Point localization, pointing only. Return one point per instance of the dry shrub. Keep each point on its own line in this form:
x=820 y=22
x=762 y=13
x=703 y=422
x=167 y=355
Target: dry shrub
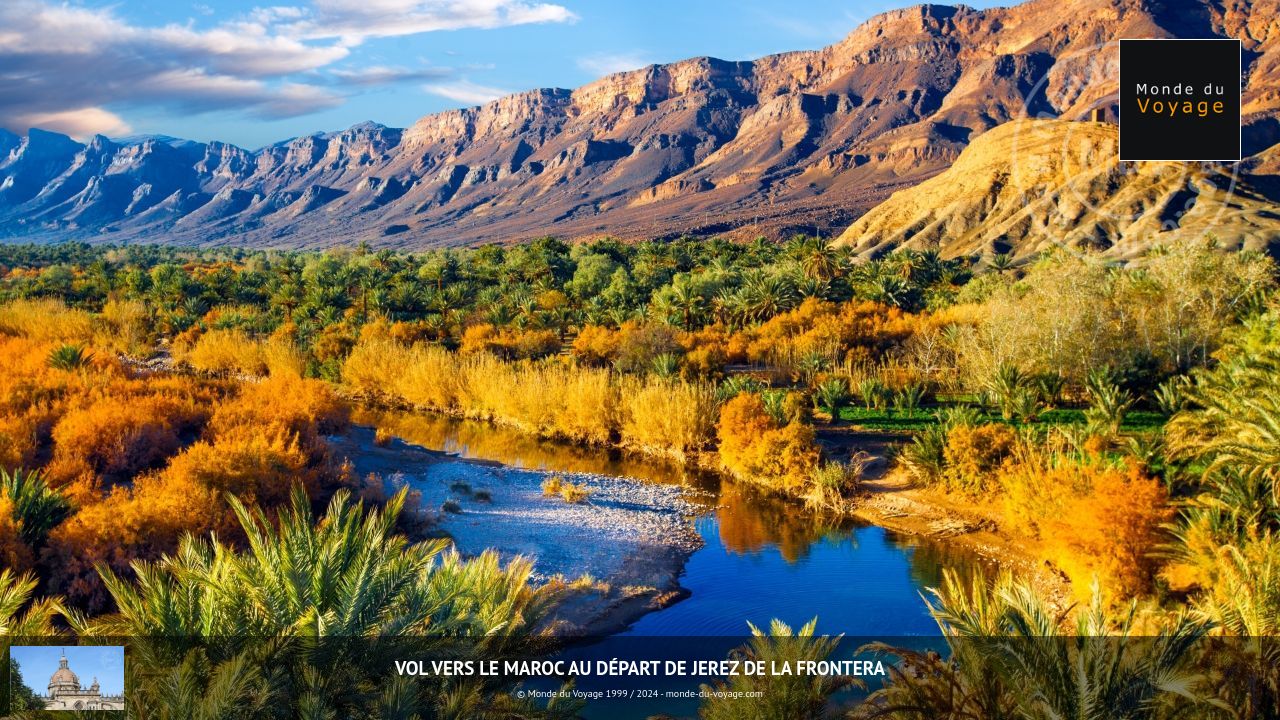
x=20 y=437
x=706 y=351
x=423 y=376
x=1111 y=532
x=846 y=332
x=1036 y=493
x=1094 y=518
x=552 y=486
x=575 y=494
x=14 y=553
x=129 y=524
x=753 y=447
x=284 y=406
x=974 y=452
x=509 y=343
x=667 y=418
x=224 y=351
x=548 y=399
x=124 y=326
x=595 y=346
x=115 y=438
x=584 y=402
x=45 y=320
x=255 y=466
x=258 y=444
x=282 y=357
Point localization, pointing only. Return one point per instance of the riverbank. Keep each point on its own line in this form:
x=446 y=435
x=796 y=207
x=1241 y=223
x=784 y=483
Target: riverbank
x=886 y=497
x=619 y=553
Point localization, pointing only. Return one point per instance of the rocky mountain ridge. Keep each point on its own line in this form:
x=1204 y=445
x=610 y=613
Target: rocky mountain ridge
x=801 y=141
x=1032 y=185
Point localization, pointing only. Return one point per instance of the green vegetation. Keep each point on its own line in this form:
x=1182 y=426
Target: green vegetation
x=1118 y=423
x=800 y=696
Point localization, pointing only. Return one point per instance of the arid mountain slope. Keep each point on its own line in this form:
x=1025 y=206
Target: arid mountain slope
x=1032 y=184
x=797 y=141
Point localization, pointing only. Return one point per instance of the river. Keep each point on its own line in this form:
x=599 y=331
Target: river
x=761 y=557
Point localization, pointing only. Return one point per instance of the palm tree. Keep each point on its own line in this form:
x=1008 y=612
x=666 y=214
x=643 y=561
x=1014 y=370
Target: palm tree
x=36 y=506
x=1108 y=402
x=320 y=607
x=795 y=697
x=20 y=615
x=1236 y=420
x=766 y=295
x=830 y=395
x=1010 y=658
x=819 y=259
x=1001 y=262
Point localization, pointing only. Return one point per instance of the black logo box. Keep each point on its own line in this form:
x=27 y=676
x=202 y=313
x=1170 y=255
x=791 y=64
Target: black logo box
x=1188 y=63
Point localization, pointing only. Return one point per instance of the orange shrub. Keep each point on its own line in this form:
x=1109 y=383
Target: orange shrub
x=974 y=452
x=706 y=351
x=754 y=448
x=1111 y=532
x=224 y=351
x=305 y=409
x=14 y=553
x=509 y=343
x=595 y=346
x=20 y=437
x=255 y=466
x=129 y=524
x=666 y=418
x=114 y=438
x=852 y=331
x=481 y=337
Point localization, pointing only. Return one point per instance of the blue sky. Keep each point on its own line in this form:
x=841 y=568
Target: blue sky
x=87 y=662
x=252 y=73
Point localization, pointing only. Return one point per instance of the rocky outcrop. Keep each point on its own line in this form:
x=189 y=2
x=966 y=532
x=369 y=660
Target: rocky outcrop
x=1029 y=186
x=800 y=141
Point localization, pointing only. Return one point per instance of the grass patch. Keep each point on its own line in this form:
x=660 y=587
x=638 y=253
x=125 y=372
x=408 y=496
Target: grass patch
x=916 y=420
x=571 y=493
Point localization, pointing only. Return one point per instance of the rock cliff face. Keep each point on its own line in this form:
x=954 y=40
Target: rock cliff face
x=1030 y=185
x=800 y=141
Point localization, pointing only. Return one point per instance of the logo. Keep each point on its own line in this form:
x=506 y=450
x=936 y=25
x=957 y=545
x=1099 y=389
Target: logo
x=1180 y=100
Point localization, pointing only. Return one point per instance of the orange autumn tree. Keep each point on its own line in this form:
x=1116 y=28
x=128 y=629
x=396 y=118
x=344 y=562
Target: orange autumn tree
x=257 y=444
x=1094 y=519
x=1112 y=532
x=755 y=447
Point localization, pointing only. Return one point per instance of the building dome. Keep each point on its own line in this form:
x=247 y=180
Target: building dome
x=63 y=680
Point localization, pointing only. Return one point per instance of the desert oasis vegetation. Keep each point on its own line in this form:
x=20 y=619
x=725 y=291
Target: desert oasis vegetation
x=876 y=352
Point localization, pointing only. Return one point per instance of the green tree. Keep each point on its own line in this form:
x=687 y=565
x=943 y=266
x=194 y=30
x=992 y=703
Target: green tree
x=21 y=697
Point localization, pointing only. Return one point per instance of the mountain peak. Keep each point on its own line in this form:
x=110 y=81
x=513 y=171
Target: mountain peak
x=804 y=141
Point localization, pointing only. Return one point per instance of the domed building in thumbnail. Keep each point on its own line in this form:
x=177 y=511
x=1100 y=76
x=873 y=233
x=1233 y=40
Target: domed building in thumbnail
x=66 y=693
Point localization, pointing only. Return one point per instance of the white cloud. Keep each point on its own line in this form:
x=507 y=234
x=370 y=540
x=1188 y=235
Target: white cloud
x=465 y=91
x=355 y=20
x=609 y=63
x=79 y=123
x=384 y=75
x=66 y=62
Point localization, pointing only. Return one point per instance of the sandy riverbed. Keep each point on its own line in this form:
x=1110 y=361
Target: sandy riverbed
x=632 y=537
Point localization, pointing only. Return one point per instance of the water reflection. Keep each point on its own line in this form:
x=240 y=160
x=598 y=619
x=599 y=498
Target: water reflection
x=745 y=520
x=748 y=520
